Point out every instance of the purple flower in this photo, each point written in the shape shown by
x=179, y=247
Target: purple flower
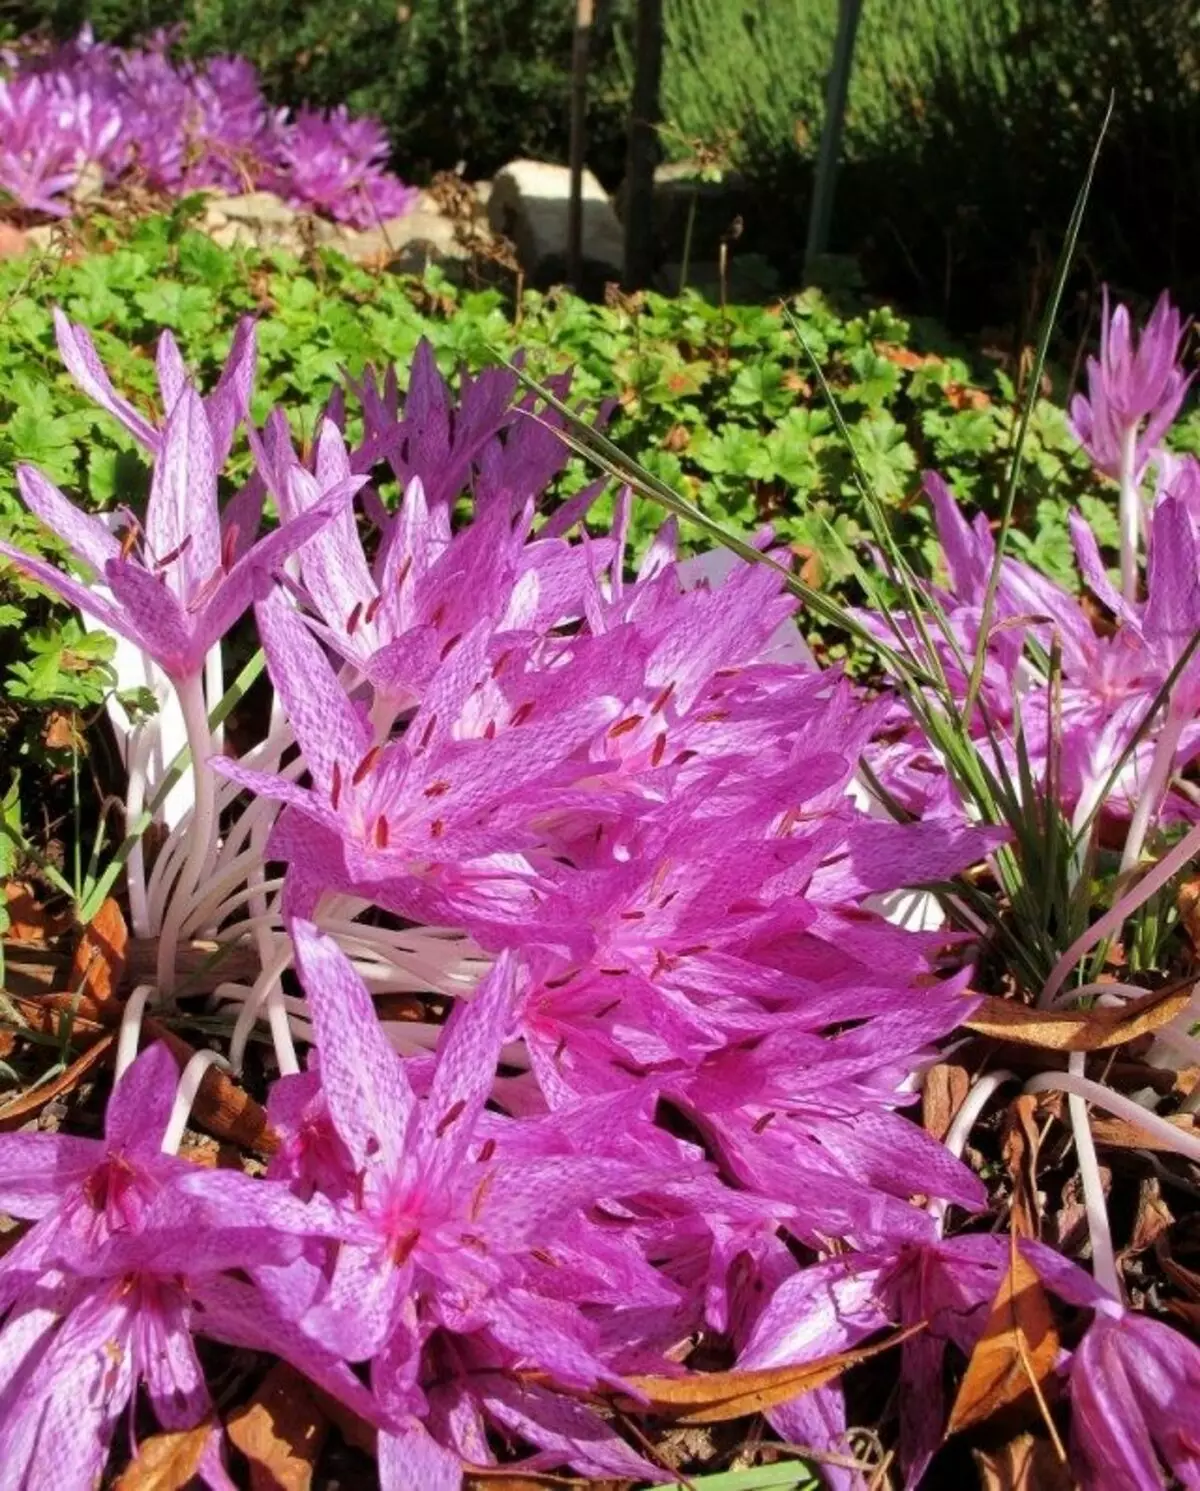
x=1135, y=389
x=126, y=1260
x=179, y=127
x=1134, y=1388
x=176, y=585
x=449, y=1231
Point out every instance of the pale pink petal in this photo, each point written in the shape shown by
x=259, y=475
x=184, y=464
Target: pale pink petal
x=88, y=536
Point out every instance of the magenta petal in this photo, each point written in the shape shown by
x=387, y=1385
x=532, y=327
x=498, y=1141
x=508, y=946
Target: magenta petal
x=409, y=1459
x=35, y=1170
x=141, y=1102
x=364, y=1080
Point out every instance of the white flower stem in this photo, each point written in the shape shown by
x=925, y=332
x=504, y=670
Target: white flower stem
x=1130, y=514
x=141, y=745
x=960, y=1129
x=203, y=827
x=1178, y=1140
x=185, y=1096
x=1104, y=1262
x=131, y=1030
x=1156, y=784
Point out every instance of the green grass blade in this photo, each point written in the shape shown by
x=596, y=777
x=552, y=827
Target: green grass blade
x=1031, y=397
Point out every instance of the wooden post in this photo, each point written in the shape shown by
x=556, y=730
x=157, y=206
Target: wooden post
x=584, y=12
x=643, y=146
x=821, y=214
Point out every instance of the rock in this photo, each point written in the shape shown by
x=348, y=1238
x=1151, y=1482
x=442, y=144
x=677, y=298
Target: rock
x=405, y=244
x=253, y=207
x=253, y=220
x=13, y=243
x=88, y=184
x=529, y=203
x=43, y=236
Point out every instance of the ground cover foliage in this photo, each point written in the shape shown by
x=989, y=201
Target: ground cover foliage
x=573, y=945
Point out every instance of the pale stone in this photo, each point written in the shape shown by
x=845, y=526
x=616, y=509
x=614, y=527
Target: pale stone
x=254, y=207
x=404, y=243
x=529, y=202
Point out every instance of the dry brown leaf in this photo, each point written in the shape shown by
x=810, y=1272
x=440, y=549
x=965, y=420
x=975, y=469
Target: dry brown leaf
x=62, y=733
x=943, y=1093
x=30, y=1104
x=1188, y=902
x=1019, y=1144
x=98, y=966
x=1078, y=1030
x=1152, y=1220
x=1118, y=1133
x=1019, y=1343
x=280, y=1431
x=166, y=1462
x=715, y=1397
x=226, y=1110
x=1026, y=1463
x=29, y=924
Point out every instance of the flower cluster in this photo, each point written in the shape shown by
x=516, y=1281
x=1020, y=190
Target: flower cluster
x=1094, y=729
x=90, y=107
x=645, y=1083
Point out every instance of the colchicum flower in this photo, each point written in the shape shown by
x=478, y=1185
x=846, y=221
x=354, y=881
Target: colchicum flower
x=597, y=1047
x=1134, y=394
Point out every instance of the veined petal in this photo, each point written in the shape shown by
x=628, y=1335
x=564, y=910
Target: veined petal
x=409, y=1459
x=365, y=1084
x=182, y=525
x=74, y=592
x=141, y=1102
x=88, y=536
x=35, y=1170
x=83, y=363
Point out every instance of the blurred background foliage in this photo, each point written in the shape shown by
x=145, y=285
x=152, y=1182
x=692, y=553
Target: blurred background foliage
x=968, y=128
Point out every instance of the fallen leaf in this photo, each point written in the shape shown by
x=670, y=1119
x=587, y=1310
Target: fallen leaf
x=280, y=1431
x=1118, y=1133
x=166, y=1462
x=1186, y=1279
x=959, y=396
x=1018, y=1348
x=1019, y=1144
x=28, y=921
x=715, y=1397
x=98, y=966
x=1188, y=903
x=357, y=1433
x=1079, y=1030
x=1025, y=1463
x=1152, y=1220
x=30, y=1104
x=943, y=1093
x=62, y=733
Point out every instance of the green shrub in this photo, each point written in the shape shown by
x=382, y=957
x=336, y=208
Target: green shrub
x=968, y=130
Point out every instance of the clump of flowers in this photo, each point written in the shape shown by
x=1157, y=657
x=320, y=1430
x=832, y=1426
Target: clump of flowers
x=178, y=127
x=590, y=1041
